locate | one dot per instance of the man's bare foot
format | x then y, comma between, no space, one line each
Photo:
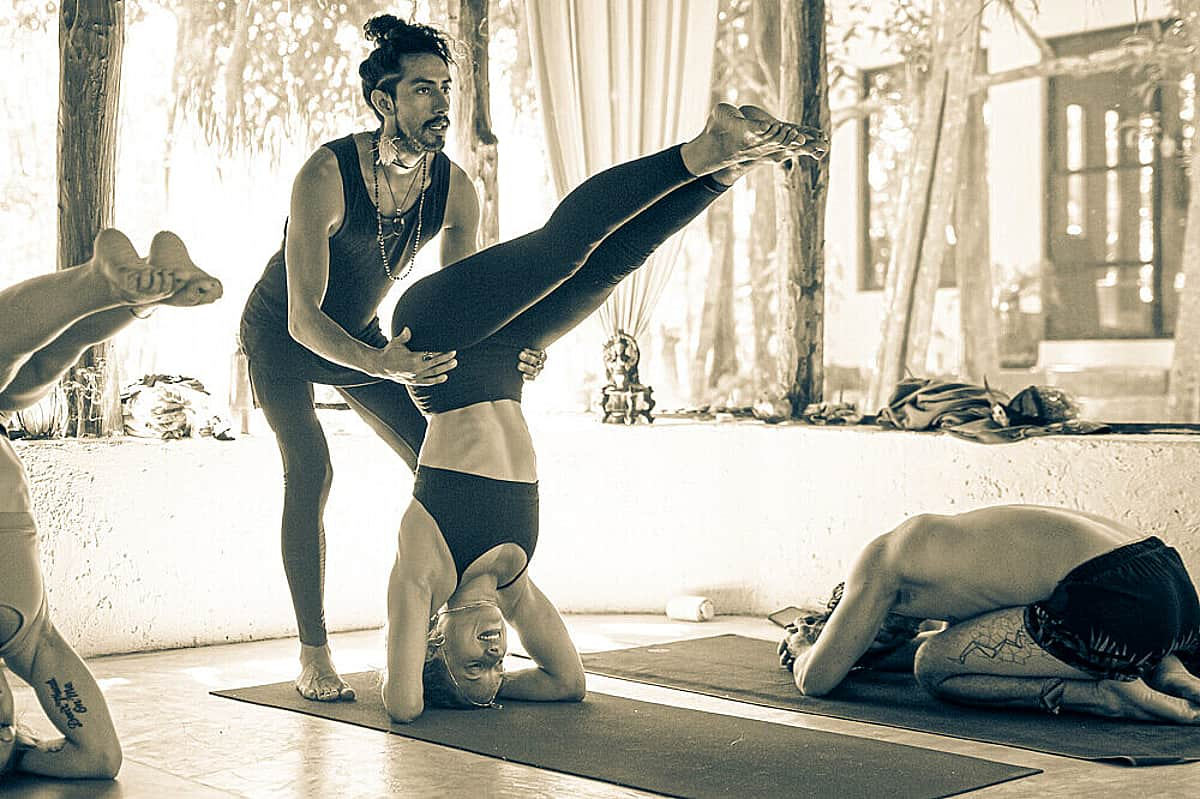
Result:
318,678
128,278
196,287
729,138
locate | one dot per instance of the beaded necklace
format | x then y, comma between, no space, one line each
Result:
387,267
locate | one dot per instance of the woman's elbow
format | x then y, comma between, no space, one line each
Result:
574,689
400,709
105,761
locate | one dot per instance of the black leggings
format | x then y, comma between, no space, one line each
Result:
307,472
531,290
528,291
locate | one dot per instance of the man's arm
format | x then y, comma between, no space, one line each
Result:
460,226
73,702
558,674
316,209
869,593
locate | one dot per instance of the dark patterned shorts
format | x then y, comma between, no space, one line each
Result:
1118,615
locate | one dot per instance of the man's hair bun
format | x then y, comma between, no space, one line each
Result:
383,28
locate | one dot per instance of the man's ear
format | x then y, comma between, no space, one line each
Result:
382,101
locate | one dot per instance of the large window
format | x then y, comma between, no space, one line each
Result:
887,145
1118,146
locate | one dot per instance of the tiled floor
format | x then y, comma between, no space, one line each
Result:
180,743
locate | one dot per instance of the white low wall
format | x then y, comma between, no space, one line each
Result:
161,544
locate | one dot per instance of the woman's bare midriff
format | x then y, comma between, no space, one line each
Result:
489,439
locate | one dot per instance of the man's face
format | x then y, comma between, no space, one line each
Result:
422,104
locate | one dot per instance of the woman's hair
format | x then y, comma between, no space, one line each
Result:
394,39
440,690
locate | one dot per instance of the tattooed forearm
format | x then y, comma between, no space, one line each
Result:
67,700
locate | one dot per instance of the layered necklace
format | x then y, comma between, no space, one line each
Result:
420,178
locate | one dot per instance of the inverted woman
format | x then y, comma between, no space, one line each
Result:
467,537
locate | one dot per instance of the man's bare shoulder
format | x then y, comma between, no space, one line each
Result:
320,171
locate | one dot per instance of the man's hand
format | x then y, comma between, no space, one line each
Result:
397,362
531,363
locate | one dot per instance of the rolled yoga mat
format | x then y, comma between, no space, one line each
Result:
667,750
747,669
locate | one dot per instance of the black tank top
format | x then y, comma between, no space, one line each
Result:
357,280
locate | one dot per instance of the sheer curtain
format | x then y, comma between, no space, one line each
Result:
619,79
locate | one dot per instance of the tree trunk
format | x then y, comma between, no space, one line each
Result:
928,196
472,116
91,37
764,231
716,351
980,350
1183,392
763,276
803,91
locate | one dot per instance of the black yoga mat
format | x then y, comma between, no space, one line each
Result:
747,669
665,749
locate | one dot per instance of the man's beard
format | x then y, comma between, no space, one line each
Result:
423,141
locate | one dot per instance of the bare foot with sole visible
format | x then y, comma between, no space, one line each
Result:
800,140
129,279
730,138
196,287
319,680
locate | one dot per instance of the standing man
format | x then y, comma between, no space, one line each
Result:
361,208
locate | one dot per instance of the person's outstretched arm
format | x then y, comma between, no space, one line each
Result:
869,594
558,673
73,702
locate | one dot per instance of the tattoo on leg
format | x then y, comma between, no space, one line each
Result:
68,702
998,642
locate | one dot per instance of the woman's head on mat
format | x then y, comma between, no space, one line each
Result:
464,656
406,81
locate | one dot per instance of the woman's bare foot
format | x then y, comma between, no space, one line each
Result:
319,680
196,287
797,140
128,278
730,138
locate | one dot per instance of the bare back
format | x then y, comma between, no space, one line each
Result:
957,567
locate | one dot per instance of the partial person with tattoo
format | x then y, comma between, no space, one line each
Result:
361,208
1042,608
46,323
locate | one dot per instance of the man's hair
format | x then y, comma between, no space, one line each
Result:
440,690
394,40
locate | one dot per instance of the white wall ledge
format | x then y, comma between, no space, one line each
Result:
151,545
